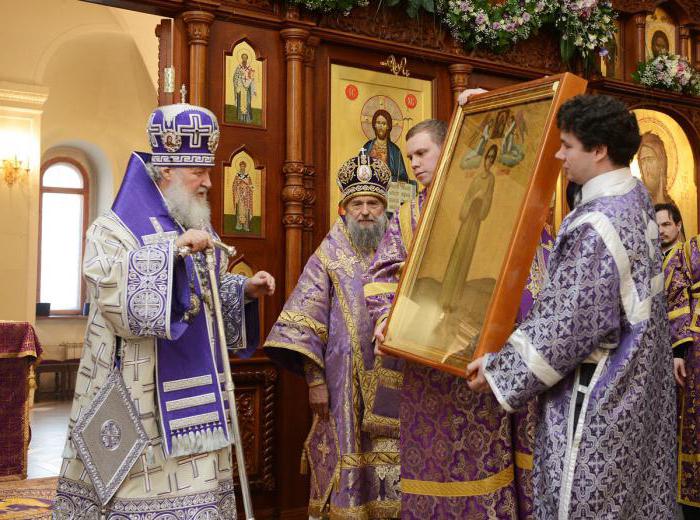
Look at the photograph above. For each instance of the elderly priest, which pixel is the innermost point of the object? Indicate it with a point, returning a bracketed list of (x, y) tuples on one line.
[(152, 339), (324, 331)]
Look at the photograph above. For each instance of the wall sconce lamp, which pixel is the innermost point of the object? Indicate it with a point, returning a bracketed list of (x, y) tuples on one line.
[(13, 170)]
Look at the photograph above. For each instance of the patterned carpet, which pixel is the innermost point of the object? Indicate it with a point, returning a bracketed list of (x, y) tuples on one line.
[(25, 499)]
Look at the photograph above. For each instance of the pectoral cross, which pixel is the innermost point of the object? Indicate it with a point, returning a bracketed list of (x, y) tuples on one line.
[(323, 449)]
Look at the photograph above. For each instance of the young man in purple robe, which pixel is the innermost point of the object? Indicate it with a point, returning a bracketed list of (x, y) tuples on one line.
[(678, 287), (151, 319), (325, 333), (595, 345), (446, 475)]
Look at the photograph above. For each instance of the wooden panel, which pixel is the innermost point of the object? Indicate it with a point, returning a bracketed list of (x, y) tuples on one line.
[(274, 416), (255, 398)]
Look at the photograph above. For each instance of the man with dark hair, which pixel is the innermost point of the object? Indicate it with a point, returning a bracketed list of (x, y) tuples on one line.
[(595, 344), (678, 285), (443, 475)]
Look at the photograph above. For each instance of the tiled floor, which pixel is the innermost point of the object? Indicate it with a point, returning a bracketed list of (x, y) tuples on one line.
[(49, 421)]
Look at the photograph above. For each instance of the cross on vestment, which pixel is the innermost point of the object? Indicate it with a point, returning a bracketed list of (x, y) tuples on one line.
[(192, 461), (323, 449), (136, 361), (146, 473)]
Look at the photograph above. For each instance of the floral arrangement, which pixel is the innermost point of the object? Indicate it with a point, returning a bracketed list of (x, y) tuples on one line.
[(669, 72), (477, 23), (586, 26)]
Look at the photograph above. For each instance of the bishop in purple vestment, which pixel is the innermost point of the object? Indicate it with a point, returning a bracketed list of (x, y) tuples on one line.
[(152, 323), (325, 333), (595, 345)]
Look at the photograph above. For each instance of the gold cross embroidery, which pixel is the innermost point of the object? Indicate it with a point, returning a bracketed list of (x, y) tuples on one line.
[(323, 449)]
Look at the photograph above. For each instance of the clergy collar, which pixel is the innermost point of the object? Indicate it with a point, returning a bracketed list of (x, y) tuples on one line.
[(615, 182)]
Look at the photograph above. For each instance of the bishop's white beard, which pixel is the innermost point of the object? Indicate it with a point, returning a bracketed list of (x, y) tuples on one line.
[(187, 208)]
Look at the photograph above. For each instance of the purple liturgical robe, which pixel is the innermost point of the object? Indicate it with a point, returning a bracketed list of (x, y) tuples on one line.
[(689, 440), (461, 455), (596, 347), (324, 330)]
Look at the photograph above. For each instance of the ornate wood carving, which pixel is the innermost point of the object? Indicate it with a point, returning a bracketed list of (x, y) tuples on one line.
[(696, 59), (293, 193), (634, 6), (255, 399), (692, 10), (198, 24), (640, 22), (540, 53), (459, 78), (391, 24), (309, 168)]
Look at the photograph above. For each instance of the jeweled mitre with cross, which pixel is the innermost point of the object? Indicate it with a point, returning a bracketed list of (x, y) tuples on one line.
[(183, 135)]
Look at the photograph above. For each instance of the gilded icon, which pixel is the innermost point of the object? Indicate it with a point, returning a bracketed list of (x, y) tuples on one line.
[(666, 164), (243, 197), (480, 226), (374, 110), (660, 33), (244, 90)]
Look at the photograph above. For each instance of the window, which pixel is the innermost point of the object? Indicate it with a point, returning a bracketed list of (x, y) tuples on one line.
[(63, 210)]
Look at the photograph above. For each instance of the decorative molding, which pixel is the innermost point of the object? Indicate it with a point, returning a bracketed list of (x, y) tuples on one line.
[(634, 6), (396, 67), (198, 25), (293, 168), (391, 24), (23, 95), (255, 390), (459, 78)]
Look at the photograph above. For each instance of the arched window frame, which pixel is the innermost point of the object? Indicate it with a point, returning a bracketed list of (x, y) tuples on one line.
[(85, 192)]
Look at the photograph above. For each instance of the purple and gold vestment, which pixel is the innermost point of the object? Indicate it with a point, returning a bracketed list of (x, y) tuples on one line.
[(596, 347), (689, 428), (462, 456), (324, 331)]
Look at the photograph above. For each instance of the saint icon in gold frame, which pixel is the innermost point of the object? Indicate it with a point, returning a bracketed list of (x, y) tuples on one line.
[(471, 255)]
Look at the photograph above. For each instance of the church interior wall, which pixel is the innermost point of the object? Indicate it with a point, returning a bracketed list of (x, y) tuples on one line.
[(99, 67)]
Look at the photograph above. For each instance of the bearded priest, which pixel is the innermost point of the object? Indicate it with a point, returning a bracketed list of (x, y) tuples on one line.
[(325, 333), (151, 336)]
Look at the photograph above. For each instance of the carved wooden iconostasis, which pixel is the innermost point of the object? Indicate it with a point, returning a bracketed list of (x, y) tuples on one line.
[(267, 70)]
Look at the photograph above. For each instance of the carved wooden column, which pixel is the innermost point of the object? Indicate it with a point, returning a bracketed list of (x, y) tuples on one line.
[(684, 37), (309, 169), (459, 79), (640, 22), (696, 58), (198, 24), (294, 193)]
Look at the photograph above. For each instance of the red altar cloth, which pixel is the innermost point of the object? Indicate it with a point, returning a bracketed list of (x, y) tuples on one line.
[(19, 348)]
